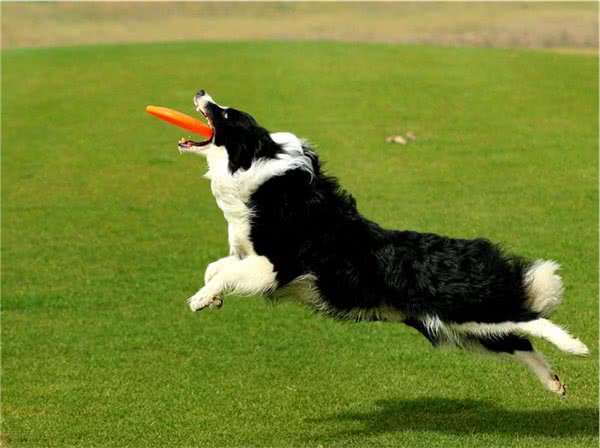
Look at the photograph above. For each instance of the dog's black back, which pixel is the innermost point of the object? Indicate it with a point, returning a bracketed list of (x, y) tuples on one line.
[(307, 224)]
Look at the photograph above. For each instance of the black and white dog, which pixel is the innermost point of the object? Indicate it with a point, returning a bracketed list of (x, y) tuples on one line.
[(292, 226)]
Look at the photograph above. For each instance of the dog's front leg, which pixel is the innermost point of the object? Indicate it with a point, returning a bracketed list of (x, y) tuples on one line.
[(213, 268), (248, 276)]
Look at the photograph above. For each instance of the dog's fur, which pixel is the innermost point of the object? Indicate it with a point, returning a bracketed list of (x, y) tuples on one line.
[(292, 228)]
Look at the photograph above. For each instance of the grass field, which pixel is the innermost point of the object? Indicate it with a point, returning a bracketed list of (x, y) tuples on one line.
[(107, 230)]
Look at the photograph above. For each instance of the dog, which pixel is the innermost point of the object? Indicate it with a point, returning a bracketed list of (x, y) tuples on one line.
[(291, 228)]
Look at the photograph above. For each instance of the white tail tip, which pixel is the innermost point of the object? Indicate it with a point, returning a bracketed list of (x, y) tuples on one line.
[(544, 287)]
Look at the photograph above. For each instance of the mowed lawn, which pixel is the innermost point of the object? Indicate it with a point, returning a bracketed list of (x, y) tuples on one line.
[(107, 229)]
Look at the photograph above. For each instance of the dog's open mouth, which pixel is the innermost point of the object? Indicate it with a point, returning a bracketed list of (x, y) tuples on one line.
[(184, 143)]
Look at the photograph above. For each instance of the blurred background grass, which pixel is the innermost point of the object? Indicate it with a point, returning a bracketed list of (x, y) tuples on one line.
[(566, 26)]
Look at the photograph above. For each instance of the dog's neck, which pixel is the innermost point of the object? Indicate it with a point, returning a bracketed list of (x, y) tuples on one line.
[(232, 201), (233, 191)]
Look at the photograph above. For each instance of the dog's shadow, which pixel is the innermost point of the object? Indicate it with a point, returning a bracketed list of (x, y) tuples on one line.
[(462, 417)]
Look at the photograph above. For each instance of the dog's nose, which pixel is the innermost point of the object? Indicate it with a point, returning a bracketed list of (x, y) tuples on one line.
[(201, 92)]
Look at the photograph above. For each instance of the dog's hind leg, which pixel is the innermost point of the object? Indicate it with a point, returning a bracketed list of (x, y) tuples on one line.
[(247, 276), (494, 339), (538, 365), (520, 348), (544, 328), (541, 328)]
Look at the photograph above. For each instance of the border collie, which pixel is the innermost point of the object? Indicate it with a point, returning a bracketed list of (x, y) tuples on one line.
[(291, 227)]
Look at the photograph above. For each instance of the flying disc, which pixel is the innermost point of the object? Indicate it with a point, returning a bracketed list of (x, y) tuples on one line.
[(180, 119)]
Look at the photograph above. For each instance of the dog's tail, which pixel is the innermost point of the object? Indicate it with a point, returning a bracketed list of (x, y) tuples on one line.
[(544, 289), (543, 286)]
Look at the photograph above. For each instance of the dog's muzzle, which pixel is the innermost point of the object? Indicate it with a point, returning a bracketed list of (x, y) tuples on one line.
[(201, 100)]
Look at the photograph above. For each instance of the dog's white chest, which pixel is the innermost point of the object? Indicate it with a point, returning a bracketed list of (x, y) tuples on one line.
[(233, 191), (232, 200)]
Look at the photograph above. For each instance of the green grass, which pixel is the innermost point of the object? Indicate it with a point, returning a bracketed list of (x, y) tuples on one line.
[(107, 230)]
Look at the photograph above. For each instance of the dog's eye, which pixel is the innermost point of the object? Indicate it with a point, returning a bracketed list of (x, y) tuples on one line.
[(224, 113)]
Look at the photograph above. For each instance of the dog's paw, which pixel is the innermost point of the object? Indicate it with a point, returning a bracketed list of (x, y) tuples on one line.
[(201, 300), (556, 386)]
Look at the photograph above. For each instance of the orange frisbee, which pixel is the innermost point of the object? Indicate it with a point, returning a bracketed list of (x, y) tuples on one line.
[(182, 120)]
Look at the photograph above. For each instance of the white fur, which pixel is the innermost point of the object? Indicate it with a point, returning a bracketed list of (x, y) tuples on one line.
[(201, 101), (556, 335), (542, 328), (544, 287), (446, 334), (434, 325), (213, 268), (249, 276), (293, 148), (231, 199)]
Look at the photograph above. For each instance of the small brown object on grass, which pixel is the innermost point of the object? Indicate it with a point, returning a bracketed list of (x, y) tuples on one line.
[(396, 139)]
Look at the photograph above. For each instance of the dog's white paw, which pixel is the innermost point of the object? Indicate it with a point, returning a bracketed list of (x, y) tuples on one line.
[(201, 300), (556, 386)]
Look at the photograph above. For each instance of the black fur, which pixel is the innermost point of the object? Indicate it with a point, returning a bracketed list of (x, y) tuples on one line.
[(244, 139), (306, 224)]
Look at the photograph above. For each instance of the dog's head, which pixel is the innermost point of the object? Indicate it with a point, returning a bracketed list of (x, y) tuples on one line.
[(233, 130)]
